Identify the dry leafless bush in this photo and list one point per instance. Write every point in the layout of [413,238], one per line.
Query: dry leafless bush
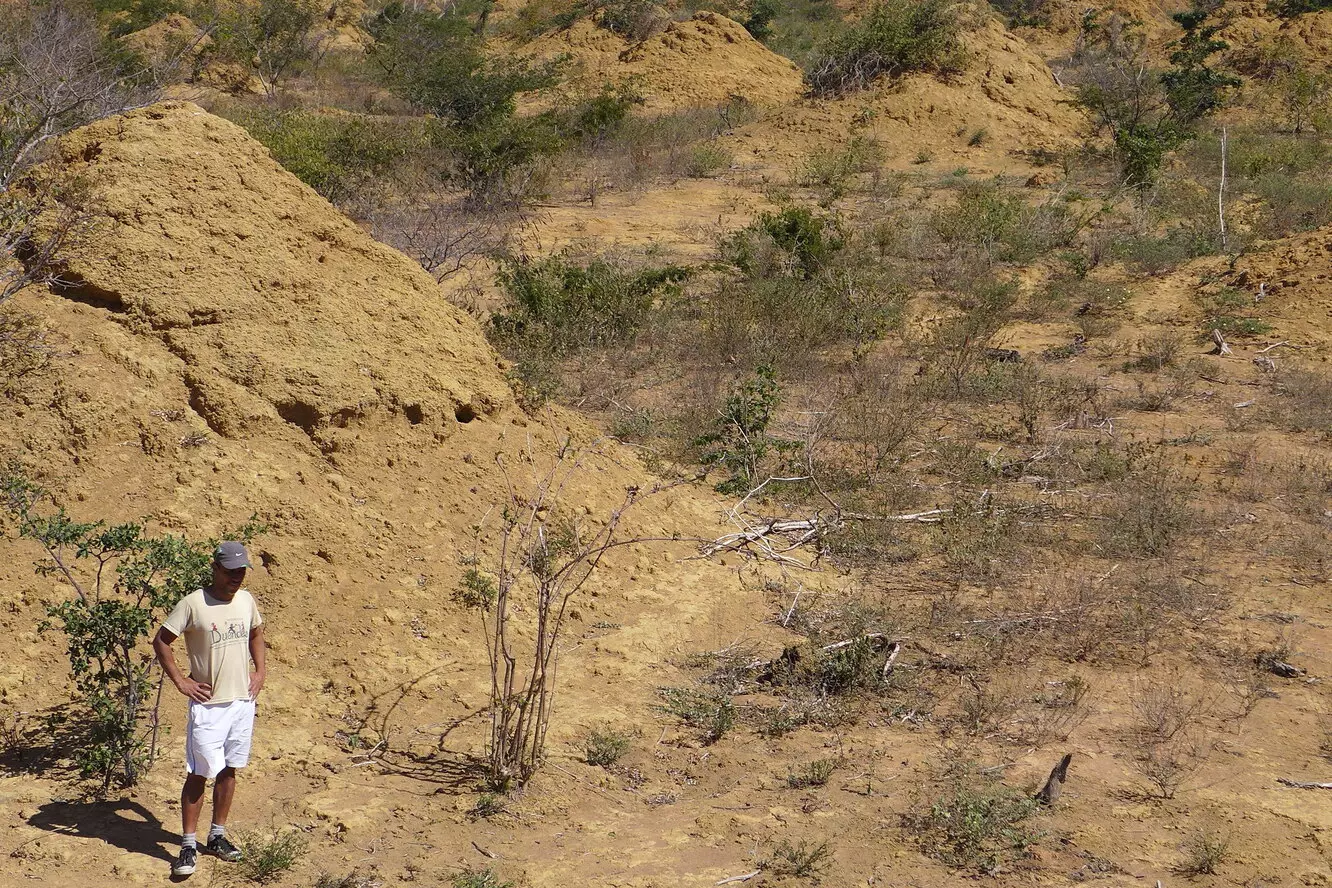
[443,235]
[1168,736]
[1150,513]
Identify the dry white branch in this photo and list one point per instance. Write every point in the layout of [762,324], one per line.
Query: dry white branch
[1301,785]
[1222,348]
[741,878]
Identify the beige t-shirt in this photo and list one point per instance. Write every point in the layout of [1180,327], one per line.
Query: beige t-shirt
[217,638]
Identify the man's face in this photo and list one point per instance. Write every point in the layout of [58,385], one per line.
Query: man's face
[226,583]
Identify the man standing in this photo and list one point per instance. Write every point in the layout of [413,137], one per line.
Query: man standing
[223,632]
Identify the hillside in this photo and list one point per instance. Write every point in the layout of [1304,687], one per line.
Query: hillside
[1019,501]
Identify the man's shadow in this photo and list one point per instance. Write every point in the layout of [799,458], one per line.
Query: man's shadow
[122,823]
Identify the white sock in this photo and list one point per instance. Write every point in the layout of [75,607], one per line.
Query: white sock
[188,840]
[216,830]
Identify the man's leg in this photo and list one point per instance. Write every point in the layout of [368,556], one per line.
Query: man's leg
[191,804]
[224,790]
[191,801]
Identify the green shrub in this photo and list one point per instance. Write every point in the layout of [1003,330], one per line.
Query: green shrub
[335,154]
[266,857]
[758,22]
[479,878]
[274,38]
[1292,8]
[488,804]
[976,823]
[896,37]
[1231,311]
[563,307]
[739,443]
[816,773]
[707,159]
[834,168]
[127,16]
[438,63]
[606,746]
[1152,512]
[712,713]
[799,27]
[803,861]
[1024,13]
[794,240]
[1003,225]
[631,19]
[1204,851]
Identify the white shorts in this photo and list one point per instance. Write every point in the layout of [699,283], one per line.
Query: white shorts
[217,736]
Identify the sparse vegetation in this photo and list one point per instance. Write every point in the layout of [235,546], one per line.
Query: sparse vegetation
[479,878]
[895,37]
[802,860]
[267,855]
[975,823]
[1204,851]
[606,746]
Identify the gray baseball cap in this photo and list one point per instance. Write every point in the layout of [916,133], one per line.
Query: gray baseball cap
[231,555]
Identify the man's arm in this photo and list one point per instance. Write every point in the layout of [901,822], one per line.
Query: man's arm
[195,690]
[258,653]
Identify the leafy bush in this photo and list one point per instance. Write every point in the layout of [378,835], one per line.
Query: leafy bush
[1148,113]
[896,37]
[606,746]
[127,16]
[438,63]
[1004,225]
[713,713]
[124,582]
[274,38]
[739,442]
[267,857]
[561,307]
[816,773]
[479,878]
[1204,851]
[802,861]
[631,19]
[335,154]
[794,240]
[976,823]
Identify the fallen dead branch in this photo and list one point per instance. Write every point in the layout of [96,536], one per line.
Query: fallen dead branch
[741,878]
[1296,784]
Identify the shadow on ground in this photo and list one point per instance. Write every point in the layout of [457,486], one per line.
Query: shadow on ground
[121,823]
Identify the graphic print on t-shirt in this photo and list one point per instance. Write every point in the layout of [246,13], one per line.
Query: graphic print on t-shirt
[231,632]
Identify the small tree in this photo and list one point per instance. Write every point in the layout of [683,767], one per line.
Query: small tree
[275,38]
[1148,113]
[122,582]
[545,558]
[739,441]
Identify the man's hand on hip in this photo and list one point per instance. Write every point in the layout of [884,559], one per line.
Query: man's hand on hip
[195,690]
[256,684]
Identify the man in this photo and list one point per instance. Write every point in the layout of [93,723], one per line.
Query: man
[223,632]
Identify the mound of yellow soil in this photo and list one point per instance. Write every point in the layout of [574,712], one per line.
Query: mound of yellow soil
[1292,287]
[698,62]
[282,309]
[159,41]
[1007,94]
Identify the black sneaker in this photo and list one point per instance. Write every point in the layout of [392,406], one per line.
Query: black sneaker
[185,863]
[221,848]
